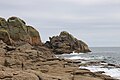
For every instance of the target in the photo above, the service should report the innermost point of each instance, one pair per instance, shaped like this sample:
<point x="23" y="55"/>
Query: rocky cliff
<point x="66" y="43"/>
<point x="26" y="62"/>
<point x="15" y="31"/>
<point x="24" y="57"/>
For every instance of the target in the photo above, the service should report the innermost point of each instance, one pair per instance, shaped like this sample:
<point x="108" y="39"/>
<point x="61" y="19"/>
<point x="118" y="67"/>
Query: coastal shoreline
<point x="23" y="56"/>
<point x="85" y="64"/>
<point x="28" y="62"/>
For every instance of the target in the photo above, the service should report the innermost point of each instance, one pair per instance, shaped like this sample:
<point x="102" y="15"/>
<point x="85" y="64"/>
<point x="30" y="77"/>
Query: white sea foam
<point x="68" y="56"/>
<point x="87" y="58"/>
<point x="113" y="72"/>
<point x="72" y="54"/>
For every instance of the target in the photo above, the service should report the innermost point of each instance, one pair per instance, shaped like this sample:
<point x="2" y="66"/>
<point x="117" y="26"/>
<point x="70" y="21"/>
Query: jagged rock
<point x="45" y="52"/>
<point x="3" y="23"/>
<point x="28" y="62"/>
<point x="2" y="52"/>
<point x="4" y="75"/>
<point x="34" y="35"/>
<point x="17" y="75"/>
<point x="66" y="43"/>
<point x="18" y="30"/>
<point x="10" y="48"/>
<point x="21" y="75"/>
<point x="15" y="31"/>
<point x="82" y="72"/>
<point x="4" y="35"/>
<point x="43" y="76"/>
<point x="23" y="56"/>
<point x="24" y="47"/>
<point x="2" y="44"/>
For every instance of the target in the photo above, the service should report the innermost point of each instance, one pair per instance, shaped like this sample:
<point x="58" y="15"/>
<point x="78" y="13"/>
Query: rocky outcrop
<point x="23" y="57"/>
<point x="66" y="43"/>
<point x="15" y="31"/>
<point x="26" y="62"/>
<point x="57" y="69"/>
<point x="34" y="35"/>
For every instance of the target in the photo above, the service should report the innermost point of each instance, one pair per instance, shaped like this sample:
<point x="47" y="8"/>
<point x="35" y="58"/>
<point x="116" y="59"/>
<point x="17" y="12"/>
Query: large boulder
<point x="3" y="23"/>
<point x="34" y="35"/>
<point x="15" y="31"/>
<point x="18" y="30"/>
<point x="5" y="36"/>
<point x="66" y="43"/>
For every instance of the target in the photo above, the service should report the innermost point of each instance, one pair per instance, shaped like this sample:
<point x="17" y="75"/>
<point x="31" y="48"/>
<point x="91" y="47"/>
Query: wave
<point x="94" y="57"/>
<point x="113" y="72"/>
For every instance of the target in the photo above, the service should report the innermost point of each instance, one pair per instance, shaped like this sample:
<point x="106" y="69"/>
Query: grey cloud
<point x="95" y="21"/>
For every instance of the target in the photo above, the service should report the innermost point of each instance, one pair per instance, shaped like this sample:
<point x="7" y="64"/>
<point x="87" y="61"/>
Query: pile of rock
<point x="24" y="57"/>
<point x="66" y="43"/>
<point x="15" y="31"/>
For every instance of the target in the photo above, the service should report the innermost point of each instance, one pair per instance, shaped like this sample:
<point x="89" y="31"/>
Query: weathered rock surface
<point x="15" y="31"/>
<point x="66" y="43"/>
<point x="26" y="62"/>
<point x="22" y="57"/>
<point x="16" y="57"/>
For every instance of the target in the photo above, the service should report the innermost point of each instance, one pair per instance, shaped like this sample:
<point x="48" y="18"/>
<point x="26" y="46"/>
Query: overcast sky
<point x="97" y="22"/>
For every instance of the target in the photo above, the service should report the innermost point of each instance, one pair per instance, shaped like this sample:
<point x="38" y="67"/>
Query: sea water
<point x="108" y="54"/>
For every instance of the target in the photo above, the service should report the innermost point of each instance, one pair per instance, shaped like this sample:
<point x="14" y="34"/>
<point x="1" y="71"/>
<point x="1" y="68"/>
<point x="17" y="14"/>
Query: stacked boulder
<point x="66" y="43"/>
<point x="15" y="31"/>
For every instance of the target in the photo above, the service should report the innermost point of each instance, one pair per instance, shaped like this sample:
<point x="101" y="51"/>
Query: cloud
<point x="92" y="2"/>
<point x="90" y="20"/>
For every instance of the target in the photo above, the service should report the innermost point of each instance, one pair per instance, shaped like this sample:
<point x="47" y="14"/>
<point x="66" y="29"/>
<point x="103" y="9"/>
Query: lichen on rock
<point x="16" y="31"/>
<point x="3" y="23"/>
<point x="66" y="43"/>
<point x="34" y="35"/>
